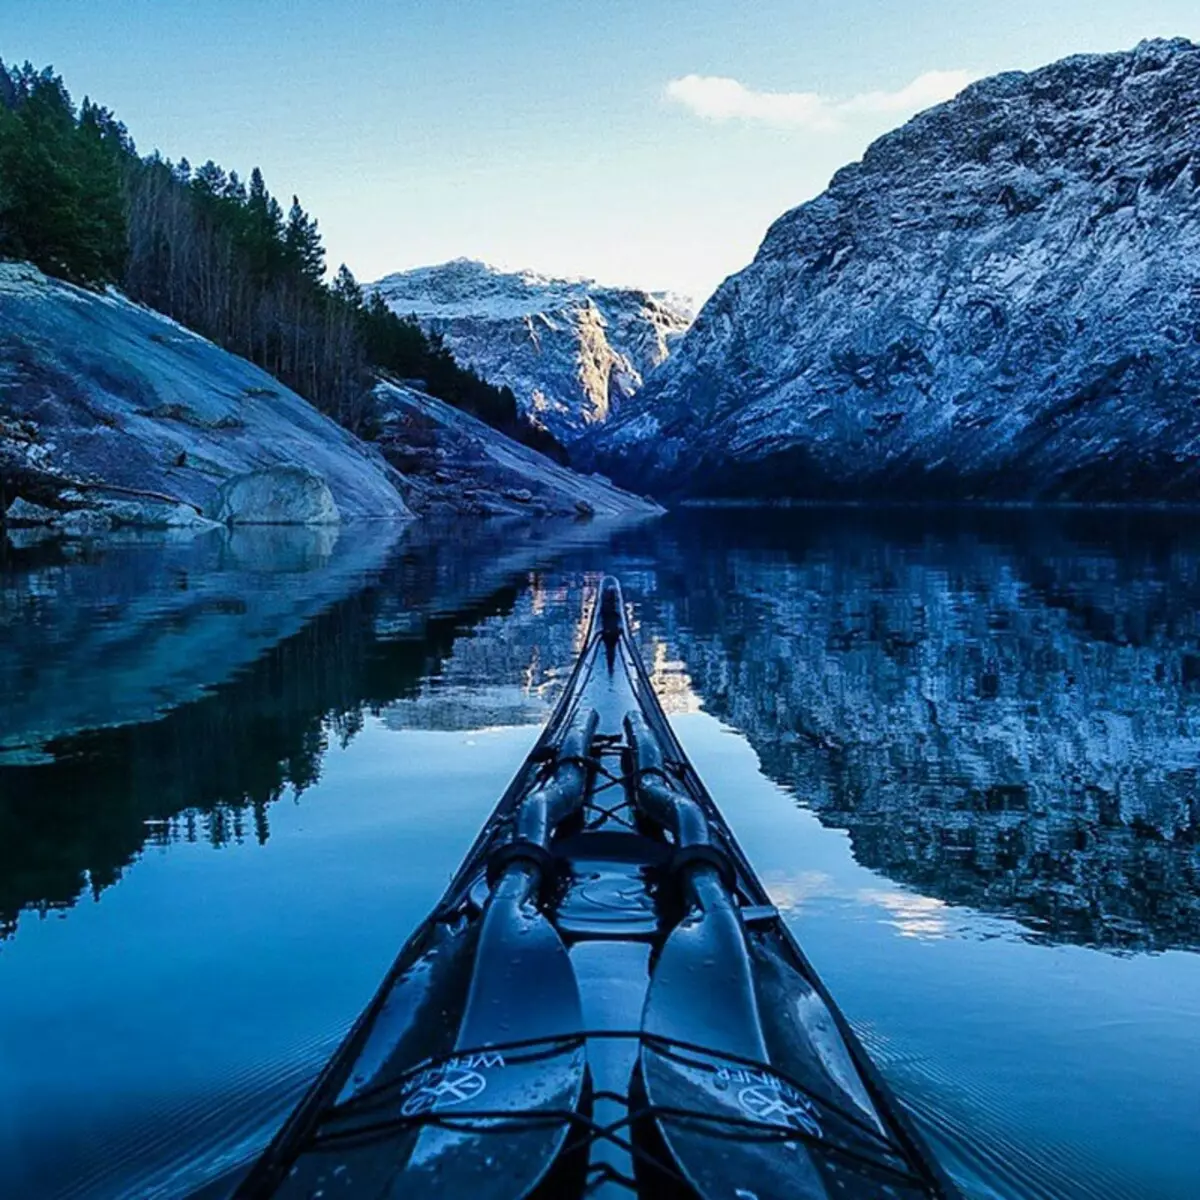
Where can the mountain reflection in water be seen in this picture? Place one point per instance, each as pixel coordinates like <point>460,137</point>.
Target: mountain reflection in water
<point>1003,709</point>
<point>78,806</point>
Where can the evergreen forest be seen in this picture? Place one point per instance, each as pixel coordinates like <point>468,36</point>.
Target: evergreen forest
<point>216,252</point>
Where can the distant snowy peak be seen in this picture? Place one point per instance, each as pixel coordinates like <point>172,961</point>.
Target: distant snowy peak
<point>571,349</point>
<point>468,287</point>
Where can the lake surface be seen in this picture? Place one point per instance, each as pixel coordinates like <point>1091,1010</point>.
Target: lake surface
<point>961,748</point>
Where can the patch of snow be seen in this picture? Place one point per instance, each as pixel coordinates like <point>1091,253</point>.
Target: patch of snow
<point>572,350</point>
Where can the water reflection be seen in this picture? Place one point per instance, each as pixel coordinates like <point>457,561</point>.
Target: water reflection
<point>257,650</point>
<point>122,630</point>
<point>1003,710</point>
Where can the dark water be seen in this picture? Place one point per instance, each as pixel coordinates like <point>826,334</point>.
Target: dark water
<point>962,749</point>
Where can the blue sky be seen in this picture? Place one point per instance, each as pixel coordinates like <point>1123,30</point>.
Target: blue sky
<point>647,142</point>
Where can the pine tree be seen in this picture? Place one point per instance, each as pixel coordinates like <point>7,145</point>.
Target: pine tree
<point>257,197</point>
<point>346,288</point>
<point>209,180</point>
<point>303,243</point>
<point>62,204</point>
<point>235,189</point>
<point>8,90</point>
<point>100,149</point>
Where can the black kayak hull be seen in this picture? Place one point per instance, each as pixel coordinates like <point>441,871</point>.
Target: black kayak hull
<point>604,1002</point>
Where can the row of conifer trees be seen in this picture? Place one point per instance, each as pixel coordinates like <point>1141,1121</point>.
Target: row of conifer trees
<point>216,253</point>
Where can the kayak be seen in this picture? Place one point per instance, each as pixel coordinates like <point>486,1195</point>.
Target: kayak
<point>605,1002</point>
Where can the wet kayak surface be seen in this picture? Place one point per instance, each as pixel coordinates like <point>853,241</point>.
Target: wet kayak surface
<point>960,749</point>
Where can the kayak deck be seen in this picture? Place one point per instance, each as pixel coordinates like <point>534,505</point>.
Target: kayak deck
<point>604,1003</point>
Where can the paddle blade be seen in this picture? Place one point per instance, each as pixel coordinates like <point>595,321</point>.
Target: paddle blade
<point>702,993</point>
<point>482,1119</point>
<point>715,1153</point>
<point>529,1095</point>
<point>523,985</point>
<point>753,1134</point>
<point>523,988</point>
<point>702,989</point>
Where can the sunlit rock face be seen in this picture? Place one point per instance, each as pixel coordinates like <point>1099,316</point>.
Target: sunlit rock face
<point>1002,299</point>
<point>572,351</point>
<point>1006,718</point>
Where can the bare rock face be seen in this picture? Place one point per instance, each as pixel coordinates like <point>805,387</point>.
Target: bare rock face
<point>110,409</point>
<point>571,350</point>
<point>455,465</point>
<point>282,495</point>
<point>1001,300</point>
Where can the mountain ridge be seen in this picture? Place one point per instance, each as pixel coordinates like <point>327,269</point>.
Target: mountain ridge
<point>1000,301</point>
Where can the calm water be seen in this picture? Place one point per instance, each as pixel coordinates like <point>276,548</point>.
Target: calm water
<point>963,751</point>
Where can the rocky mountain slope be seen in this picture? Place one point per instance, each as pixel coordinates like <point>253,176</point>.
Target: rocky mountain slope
<point>571,350</point>
<point>100,390</point>
<point>128,418</point>
<point>453,463</point>
<point>1001,300</point>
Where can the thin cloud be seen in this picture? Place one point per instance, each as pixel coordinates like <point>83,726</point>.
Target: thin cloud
<point>716,98</point>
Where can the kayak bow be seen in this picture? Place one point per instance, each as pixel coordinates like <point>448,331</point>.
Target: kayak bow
<point>604,1002</point>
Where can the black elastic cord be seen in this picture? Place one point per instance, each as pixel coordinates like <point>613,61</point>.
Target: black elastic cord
<point>502,1120</point>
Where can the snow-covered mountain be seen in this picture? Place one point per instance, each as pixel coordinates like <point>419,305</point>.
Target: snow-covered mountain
<point>1002,299</point>
<point>571,350</point>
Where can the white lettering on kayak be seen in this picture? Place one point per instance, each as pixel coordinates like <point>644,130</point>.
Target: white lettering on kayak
<point>479,1062</point>
<point>772,1101</point>
<point>454,1082</point>
<point>454,1087</point>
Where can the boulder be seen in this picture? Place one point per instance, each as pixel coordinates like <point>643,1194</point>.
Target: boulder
<point>280,495</point>
<point>24,512</point>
